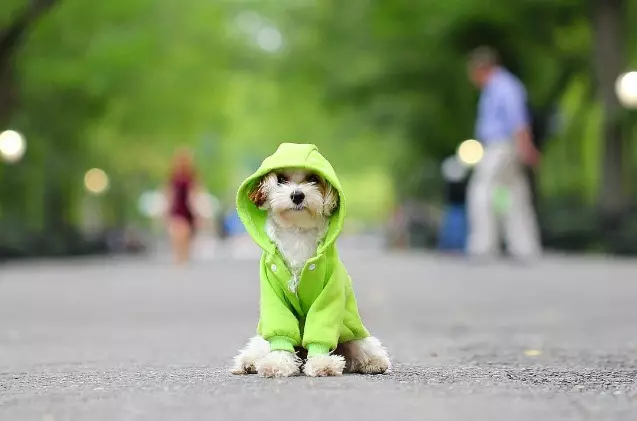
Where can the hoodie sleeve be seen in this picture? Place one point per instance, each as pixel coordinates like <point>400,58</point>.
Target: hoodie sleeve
<point>277,324</point>
<point>325,317</point>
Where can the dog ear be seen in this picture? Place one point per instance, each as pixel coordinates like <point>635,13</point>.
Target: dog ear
<point>330,200</point>
<point>261,190</point>
<point>258,195</point>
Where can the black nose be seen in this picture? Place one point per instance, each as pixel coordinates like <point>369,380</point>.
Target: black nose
<point>297,197</point>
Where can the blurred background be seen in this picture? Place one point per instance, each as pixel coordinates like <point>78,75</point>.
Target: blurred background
<point>95,97</point>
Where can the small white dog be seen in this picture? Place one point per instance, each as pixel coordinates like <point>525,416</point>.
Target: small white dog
<point>293,207</point>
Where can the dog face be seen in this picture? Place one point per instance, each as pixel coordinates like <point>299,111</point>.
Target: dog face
<point>295,196</point>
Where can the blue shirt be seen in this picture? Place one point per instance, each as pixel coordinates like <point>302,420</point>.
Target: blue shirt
<point>502,109</point>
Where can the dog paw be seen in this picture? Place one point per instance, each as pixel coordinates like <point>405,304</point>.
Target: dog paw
<point>324,366</point>
<point>375,365</point>
<point>244,363</point>
<point>241,368</point>
<point>367,356</point>
<point>278,364</point>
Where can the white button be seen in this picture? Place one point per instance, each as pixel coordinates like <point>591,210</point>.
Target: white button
<point>273,267</point>
<point>312,266</point>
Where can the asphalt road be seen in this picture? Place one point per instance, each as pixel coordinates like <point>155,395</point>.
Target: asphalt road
<point>125,339</point>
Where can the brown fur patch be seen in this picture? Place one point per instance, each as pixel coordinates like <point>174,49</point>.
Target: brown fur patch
<point>330,196</point>
<point>258,195</point>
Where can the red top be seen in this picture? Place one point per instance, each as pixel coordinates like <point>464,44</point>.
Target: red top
<point>181,183</point>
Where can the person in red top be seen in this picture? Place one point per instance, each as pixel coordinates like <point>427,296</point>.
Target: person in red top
<point>182,219</point>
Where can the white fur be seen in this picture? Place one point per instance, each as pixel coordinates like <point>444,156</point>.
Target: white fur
<point>366,356</point>
<point>278,364</point>
<point>324,366</point>
<point>296,229</point>
<point>296,246</point>
<point>256,349</point>
<point>320,197</point>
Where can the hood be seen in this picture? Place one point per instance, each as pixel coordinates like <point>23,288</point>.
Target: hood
<point>289,155</point>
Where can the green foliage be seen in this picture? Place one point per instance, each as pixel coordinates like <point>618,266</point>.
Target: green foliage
<point>120,84</point>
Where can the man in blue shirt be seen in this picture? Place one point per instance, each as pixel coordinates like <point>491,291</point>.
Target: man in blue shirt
<point>504,130</point>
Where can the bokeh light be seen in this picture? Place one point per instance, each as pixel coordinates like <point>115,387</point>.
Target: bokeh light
<point>96,181</point>
<point>264,33</point>
<point>269,39</point>
<point>453,170</point>
<point>206,205</point>
<point>152,204</point>
<point>626,89</point>
<point>12,146</point>
<point>470,152</point>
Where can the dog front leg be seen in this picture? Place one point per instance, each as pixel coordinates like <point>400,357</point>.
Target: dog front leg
<point>256,349</point>
<point>324,365</point>
<point>279,363</point>
<point>366,356</point>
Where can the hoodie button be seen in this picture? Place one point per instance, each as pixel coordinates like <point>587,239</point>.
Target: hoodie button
<point>312,266</point>
<point>273,267</point>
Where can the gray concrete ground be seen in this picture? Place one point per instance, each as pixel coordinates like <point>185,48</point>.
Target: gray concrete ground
<point>126,339</point>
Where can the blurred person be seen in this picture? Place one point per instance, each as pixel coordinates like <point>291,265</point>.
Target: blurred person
<point>182,218</point>
<point>452,236</point>
<point>503,128</point>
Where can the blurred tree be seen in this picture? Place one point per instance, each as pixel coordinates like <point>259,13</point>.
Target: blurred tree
<point>116,85</point>
<point>610,56</point>
<point>12,34</point>
<point>401,65</point>
<point>119,84</point>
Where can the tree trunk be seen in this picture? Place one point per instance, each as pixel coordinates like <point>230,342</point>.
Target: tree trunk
<point>609,56</point>
<point>10,38</point>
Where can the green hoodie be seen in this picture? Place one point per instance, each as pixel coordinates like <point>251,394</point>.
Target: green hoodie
<point>323,312</point>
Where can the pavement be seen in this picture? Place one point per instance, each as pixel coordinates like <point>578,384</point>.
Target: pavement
<point>124,339</point>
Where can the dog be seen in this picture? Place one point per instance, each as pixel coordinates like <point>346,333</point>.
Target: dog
<point>294,208</point>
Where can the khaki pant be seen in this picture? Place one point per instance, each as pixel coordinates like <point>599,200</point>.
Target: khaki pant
<point>500,167</point>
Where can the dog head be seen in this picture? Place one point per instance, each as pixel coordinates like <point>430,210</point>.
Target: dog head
<point>295,197</point>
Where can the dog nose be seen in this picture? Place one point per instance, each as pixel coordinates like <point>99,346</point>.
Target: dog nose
<point>297,197</point>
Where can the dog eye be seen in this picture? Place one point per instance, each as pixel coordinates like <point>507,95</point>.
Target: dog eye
<point>313,179</point>
<point>281,179</point>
